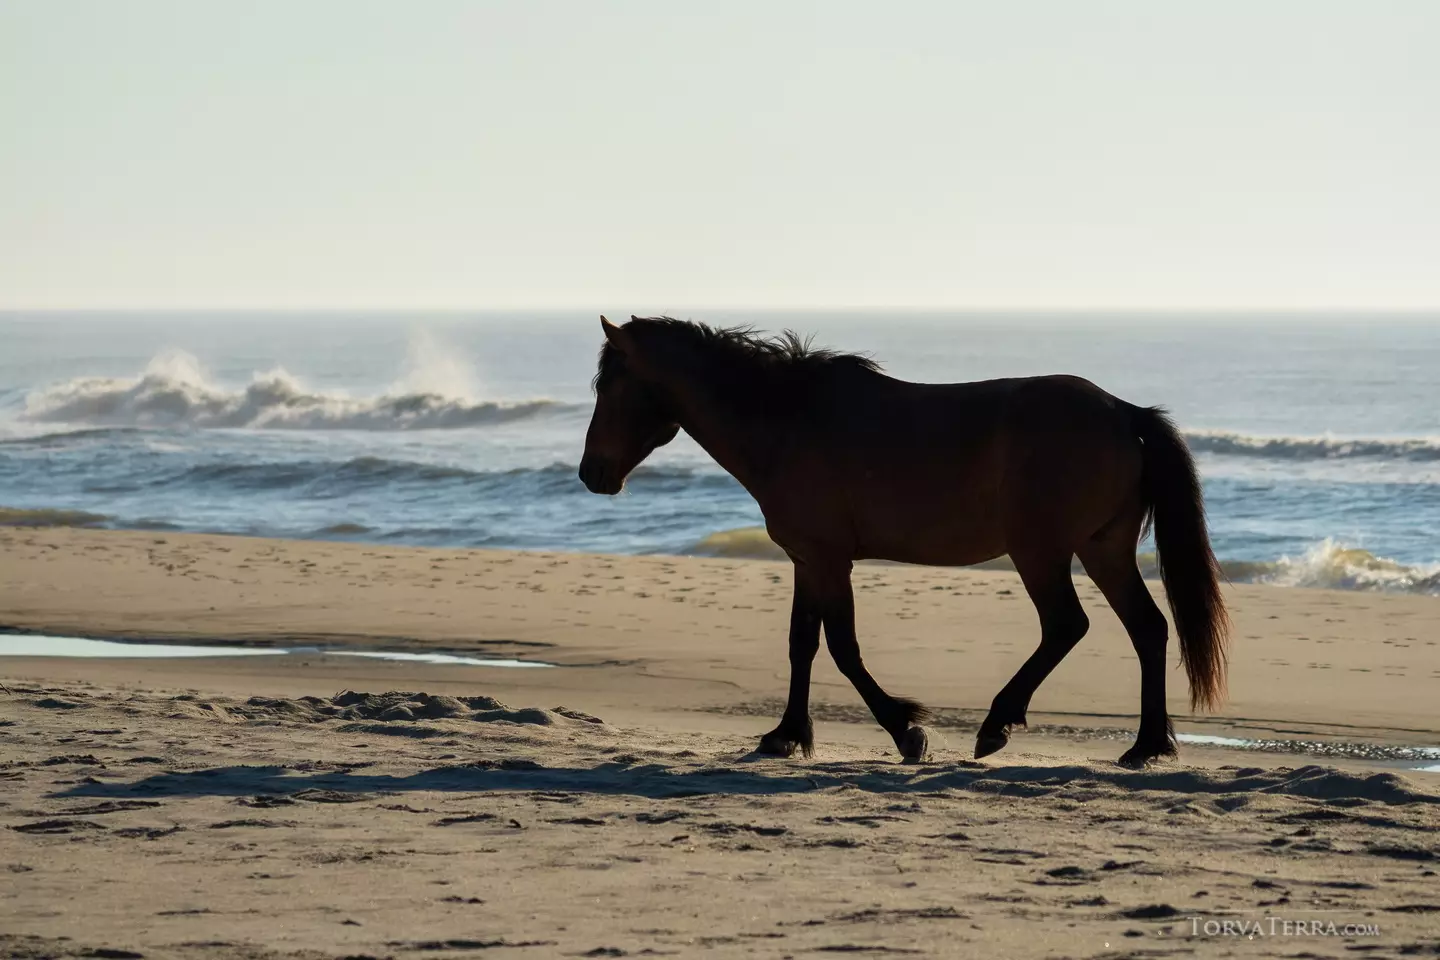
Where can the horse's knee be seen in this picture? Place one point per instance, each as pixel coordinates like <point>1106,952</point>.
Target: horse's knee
<point>1064,630</point>
<point>802,651</point>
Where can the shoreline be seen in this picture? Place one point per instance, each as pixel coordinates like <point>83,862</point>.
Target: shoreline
<point>1327,565</point>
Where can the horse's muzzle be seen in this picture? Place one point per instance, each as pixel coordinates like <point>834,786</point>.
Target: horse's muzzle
<point>598,478</point>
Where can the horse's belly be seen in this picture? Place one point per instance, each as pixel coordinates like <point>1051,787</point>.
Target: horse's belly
<point>946,536</point>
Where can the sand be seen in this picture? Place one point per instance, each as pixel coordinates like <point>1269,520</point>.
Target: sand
<point>299,807</point>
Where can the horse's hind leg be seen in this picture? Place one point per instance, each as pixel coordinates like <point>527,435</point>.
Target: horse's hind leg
<point>1062,625</point>
<point>897,715</point>
<point>1110,561</point>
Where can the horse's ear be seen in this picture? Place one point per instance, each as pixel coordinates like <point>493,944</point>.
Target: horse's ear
<point>614,334</point>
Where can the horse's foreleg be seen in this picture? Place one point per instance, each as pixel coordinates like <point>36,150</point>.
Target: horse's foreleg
<point>897,715</point>
<point>1062,625</point>
<point>795,729</point>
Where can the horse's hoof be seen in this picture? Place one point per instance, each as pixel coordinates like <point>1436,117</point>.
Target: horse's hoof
<point>989,742</point>
<point>1139,757</point>
<point>915,745</point>
<point>776,745</point>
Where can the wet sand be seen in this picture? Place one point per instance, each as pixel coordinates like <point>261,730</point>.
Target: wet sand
<point>268,814</point>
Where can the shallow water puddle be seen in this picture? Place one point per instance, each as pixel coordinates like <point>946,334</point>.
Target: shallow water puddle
<point>428,658</point>
<point>1212,741</point>
<point>1362,751</point>
<point>32,645</point>
<point>41,646</point>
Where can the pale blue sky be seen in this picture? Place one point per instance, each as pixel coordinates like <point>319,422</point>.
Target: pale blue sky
<point>676,155</point>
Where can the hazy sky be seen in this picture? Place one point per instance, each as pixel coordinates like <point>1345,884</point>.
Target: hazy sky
<point>672,155</point>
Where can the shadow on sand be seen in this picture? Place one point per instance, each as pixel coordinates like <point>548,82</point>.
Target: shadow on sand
<point>749,776</point>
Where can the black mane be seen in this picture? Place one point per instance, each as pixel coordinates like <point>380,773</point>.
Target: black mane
<point>752,359</point>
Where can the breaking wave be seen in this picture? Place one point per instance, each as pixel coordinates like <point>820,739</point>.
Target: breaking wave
<point>1414,450</point>
<point>1335,566</point>
<point>13,517</point>
<point>743,543</point>
<point>174,391</point>
<point>343,530</point>
<point>1327,565</point>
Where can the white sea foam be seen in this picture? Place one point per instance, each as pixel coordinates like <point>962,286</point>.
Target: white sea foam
<point>433,369</point>
<point>1334,565</point>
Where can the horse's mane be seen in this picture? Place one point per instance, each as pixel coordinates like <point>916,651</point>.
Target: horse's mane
<point>749,360</point>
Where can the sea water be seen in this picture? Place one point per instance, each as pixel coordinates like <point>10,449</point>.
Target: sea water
<point>1318,436</point>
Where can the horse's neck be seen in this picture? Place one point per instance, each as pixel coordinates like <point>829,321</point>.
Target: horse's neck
<point>735,442</point>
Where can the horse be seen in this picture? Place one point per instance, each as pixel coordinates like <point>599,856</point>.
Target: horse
<point>849,464</point>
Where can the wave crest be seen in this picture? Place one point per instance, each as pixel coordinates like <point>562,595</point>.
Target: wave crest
<point>175,392</point>
<point>1415,450</point>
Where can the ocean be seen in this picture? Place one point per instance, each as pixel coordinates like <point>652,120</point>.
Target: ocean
<point>1318,436</point>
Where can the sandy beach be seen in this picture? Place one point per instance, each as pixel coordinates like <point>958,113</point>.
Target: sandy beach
<point>297,805</point>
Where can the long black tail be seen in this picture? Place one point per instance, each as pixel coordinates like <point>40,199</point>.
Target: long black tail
<point>1175,504</point>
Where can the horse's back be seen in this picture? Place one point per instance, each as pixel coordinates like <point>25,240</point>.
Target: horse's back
<point>985,424</point>
<point>959,473</point>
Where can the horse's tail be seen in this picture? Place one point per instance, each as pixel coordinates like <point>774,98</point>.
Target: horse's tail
<point>1175,504</point>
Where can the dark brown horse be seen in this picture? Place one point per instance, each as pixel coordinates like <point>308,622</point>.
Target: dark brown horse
<point>848,464</point>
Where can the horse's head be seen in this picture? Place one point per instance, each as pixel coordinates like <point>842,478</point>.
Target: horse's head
<point>631,418</point>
